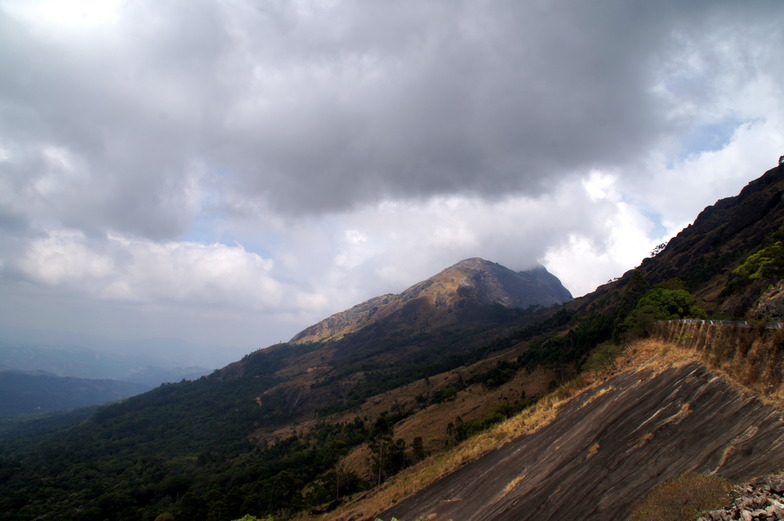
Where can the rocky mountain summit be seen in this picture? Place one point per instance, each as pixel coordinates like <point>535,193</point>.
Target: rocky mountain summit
<point>446,297</point>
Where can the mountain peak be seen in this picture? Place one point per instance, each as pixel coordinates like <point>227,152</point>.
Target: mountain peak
<point>447,297</point>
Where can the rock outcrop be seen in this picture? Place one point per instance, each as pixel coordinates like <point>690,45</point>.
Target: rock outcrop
<point>609,445</point>
<point>771,303</point>
<point>761,499</point>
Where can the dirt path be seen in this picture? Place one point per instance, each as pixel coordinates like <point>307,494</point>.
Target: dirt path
<point>608,447</point>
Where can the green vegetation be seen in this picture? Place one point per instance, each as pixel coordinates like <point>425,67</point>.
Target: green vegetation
<point>603,357</point>
<point>659,303</point>
<point>766,263</point>
<point>682,497</point>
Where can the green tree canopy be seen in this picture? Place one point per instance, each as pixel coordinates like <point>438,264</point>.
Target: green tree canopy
<point>659,303</point>
<point>766,263</point>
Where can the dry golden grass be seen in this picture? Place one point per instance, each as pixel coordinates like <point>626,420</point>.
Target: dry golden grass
<point>597,394</point>
<point>750,357</point>
<point>644,440</point>
<point>431,469</point>
<point>593,451</point>
<point>439,465</point>
<point>683,497</point>
<point>512,484</point>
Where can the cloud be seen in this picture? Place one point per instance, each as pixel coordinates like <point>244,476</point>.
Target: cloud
<point>176,273</point>
<point>319,107</point>
<point>270,163</point>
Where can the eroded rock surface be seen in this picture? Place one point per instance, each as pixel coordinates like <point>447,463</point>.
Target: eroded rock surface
<point>610,446</point>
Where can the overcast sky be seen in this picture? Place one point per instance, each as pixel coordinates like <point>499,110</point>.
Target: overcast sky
<point>232,171</point>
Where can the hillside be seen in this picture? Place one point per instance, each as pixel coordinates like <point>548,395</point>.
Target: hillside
<point>293,410</point>
<point>663,416</point>
<point>404,380</point>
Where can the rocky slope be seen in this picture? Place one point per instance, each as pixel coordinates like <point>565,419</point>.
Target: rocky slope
<point>450,296</point>
<point>762,499</point>
<point>610,445</point>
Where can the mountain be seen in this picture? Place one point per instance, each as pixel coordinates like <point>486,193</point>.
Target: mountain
<point>433,326</point>
<point>25,393</point>
<point>705,253</point>
<point>458,371</point>
<point>290,411</point>
<point>456,294</point>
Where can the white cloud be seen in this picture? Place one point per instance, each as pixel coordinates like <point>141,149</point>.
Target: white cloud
<point>622,237</point>
<point>63,258</point>
<point>173,273</point>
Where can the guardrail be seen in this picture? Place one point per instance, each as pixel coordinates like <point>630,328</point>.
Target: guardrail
<point>725,323</point>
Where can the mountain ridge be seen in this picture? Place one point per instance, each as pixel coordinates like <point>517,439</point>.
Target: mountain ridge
<point>476,280</point>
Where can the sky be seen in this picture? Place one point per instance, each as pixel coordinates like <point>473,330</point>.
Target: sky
<point>229,172</point>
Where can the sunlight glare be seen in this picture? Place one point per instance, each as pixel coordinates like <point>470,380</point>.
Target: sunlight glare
<point>70,15</point>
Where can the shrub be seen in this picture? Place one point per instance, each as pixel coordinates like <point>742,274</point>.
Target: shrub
<point>765,263</point>
<point>603,357</point>
<point>683,497</point>
<point>660,303</point>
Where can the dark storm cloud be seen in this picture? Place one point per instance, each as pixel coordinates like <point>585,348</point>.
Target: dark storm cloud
<point>482,98</point>
<point>314,107</point>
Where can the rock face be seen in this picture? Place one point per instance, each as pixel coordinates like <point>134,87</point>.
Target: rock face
<point>771,303</point>
<point>450,295</point>
<point>609,445</point>
<point>762,499</point>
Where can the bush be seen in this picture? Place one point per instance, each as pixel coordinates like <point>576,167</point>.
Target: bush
<point>767,263</point>
<point>603,357</point>
<point>660,303</point>
<point>681,498</point>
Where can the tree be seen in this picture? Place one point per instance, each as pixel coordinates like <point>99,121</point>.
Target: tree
<point>766,263</point>
<point>659,303</point>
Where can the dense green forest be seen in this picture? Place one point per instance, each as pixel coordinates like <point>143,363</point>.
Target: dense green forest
<point>24,393</point>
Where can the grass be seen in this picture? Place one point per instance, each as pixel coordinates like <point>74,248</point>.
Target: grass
<point>683,497</point>
<point>742,355</point>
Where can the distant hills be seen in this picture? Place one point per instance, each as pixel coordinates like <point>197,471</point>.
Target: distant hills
<point>454,367</point>
<point>85,361</point>
<point>25,393</point>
